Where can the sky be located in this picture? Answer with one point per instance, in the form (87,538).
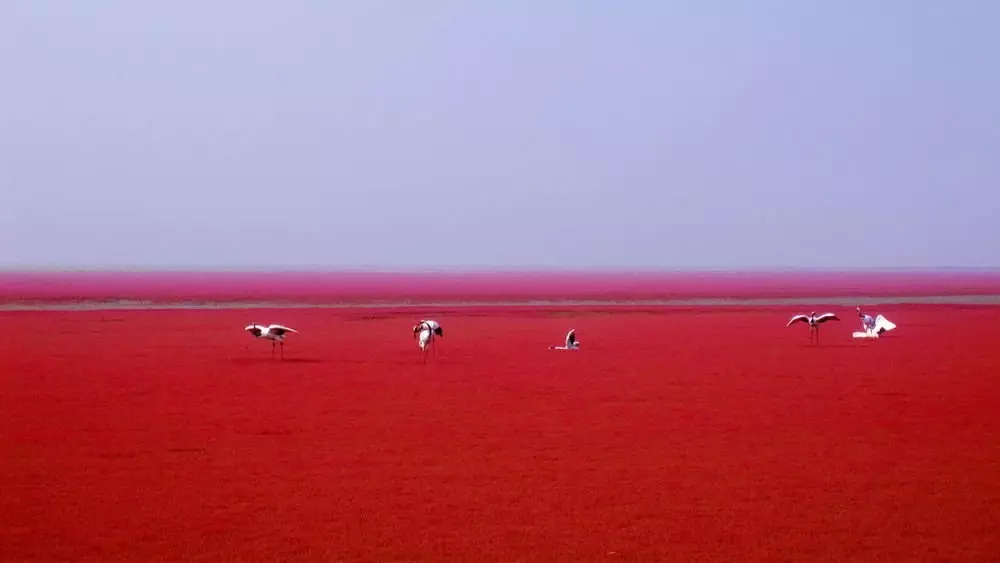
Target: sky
(518,134)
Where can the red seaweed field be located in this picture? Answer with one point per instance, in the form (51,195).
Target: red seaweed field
(364,287)
(674,433)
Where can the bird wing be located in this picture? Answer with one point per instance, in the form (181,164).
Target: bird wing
(279,329)
(827,317)
(883,324)
(570,337)
(797,319)
(438,331)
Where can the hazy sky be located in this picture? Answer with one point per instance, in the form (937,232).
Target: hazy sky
(518,133)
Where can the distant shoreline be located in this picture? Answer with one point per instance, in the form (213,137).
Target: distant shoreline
(843,301)
(118,290)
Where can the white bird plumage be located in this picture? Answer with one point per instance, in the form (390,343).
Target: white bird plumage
(571,342)
(274,332)
(867,322)
(813,320)
(873,327)
(883,325)
(425,331)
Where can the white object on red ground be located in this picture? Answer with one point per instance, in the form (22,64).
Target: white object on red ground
(571,342)
(274,333)
(882,325)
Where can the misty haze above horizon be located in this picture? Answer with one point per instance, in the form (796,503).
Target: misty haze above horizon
(673,135)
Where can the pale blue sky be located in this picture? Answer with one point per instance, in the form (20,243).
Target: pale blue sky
(499,134)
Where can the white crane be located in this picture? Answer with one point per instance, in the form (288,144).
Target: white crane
(424,332)
(571,342)
(873,328)
(813,321)
(867,322)
(275,333)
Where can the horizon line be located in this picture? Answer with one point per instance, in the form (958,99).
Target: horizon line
(473,270)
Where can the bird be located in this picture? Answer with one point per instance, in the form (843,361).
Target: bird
(814,321)
(571,342)
(867,322)
(424,332)
(275,333)
(873,328)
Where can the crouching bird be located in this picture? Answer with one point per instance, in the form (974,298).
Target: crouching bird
(424,332)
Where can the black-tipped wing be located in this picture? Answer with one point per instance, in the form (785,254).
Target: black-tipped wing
(438,331)
(279,330)
(571,338)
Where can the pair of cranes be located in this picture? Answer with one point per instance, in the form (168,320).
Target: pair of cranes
(425,331)
(871,327)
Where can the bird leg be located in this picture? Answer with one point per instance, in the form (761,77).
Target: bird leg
(272,349)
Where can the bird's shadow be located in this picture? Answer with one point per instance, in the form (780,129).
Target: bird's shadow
(249,361)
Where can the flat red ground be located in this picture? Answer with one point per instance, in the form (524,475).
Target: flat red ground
(324,287)
(683,435)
